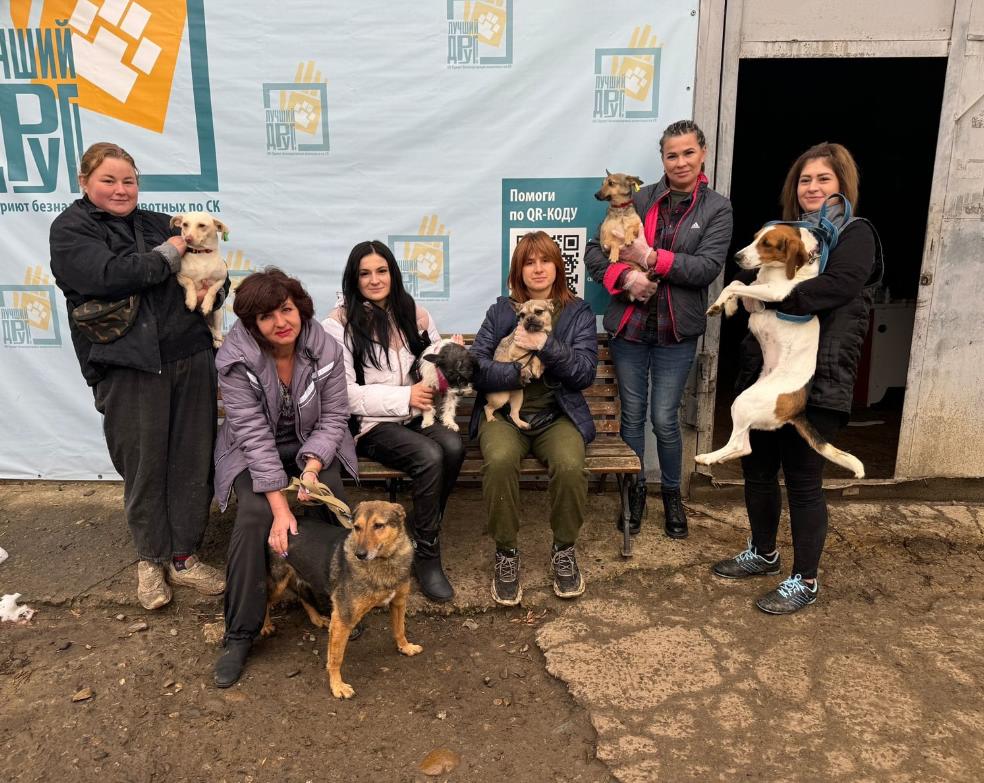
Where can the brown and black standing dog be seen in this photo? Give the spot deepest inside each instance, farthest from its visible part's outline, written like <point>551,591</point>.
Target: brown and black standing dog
<point>350,571</point>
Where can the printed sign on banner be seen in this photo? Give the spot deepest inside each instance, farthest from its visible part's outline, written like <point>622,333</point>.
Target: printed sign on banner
<point>567,210</point>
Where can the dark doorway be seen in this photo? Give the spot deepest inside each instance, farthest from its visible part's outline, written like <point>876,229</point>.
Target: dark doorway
<point>886,112</point>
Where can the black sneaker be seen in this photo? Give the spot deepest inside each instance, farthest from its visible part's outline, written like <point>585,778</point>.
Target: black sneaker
<point>568,582</point>
<point>747,563</point>
<point>506,589</point>
<point>791,596</point>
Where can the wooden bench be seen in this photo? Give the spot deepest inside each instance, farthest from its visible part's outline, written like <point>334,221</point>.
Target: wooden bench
<point>606,455</point>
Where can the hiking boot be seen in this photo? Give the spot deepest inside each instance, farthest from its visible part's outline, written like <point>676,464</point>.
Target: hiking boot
<point>197,575</point>
<point>674,517</point>
<point>568,582</point>
<point>506,589</point>
<point>747,563</point>
<point>791,596</point>
<point>430,573</point>
<point>229,667</point>
<point>152,589</point>
<point>637,505</point>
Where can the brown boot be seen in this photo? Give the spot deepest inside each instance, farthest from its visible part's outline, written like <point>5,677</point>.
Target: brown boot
<point>152,589</point>
<point>198,576</point>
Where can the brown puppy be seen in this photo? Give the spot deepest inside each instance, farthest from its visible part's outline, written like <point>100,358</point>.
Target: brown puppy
<point>617,190</point>
<point>536,315</point>
<point>360,569</point>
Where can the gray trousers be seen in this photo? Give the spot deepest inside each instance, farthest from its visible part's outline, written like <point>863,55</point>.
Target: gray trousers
<point>160,430</point>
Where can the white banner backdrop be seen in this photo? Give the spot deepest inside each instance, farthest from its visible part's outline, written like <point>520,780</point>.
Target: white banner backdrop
<point>442,127</point>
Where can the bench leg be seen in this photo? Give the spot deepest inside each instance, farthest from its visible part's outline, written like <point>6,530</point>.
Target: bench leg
<point>391,485</point>
<point>623,513</point>
<point>602,480</point>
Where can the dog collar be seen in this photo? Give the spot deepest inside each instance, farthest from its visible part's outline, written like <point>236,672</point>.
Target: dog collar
<point>189,249</point>
<point>442,382</point>
<point>622,206</point>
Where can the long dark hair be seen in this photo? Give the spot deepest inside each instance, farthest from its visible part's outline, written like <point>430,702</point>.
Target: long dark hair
<point>367,323</point>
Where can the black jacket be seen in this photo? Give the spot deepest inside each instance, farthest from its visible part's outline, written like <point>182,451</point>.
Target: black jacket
<point>841,298</point>
<point>570,361</point>
<point>94,256</point>
<point>698,253</point>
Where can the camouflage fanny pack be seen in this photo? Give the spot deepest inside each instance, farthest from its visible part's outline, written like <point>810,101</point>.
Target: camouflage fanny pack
<point>104,322</point>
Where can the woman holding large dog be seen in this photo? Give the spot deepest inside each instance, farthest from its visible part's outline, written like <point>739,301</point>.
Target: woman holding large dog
<point>283,388</point>
<point>150,363</point>
<point>384,332</point>
<point>841,297</point>
<point>560,423</point>
<point>655,319</point>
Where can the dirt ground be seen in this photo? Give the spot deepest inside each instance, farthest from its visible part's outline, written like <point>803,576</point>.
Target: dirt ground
<point>658,673</point>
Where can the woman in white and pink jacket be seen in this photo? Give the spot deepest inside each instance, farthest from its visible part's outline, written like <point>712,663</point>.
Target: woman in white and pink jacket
<point>383,332</point>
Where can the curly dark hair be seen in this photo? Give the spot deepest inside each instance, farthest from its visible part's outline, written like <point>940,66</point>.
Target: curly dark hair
<point>263,292</point>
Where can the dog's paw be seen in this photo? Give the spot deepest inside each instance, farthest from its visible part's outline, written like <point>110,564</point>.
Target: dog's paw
<point>268,629</point>
<point>410,649</point>
<point>714,309</point>
<point>451,425</point>
<point>342,690</point>
<point>701,459</point>
<point>217,342</point>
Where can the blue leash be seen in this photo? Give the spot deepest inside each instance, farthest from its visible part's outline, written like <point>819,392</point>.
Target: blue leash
<point>826,234</point>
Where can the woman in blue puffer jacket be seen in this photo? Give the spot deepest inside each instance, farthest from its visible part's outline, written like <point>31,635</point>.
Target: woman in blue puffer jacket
<point>553,405</point>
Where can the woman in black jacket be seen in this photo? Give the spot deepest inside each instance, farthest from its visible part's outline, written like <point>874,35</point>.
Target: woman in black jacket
<point>655,324</point>
<point>839,297</point>
<point>553,405</point>
<point>155,383</point>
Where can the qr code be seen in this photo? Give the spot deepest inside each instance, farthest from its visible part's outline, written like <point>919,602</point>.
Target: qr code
<point>572,252</point>
<point>571,242</point>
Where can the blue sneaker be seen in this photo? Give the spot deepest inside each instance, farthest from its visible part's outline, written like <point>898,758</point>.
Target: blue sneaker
<point>747,563</point>
<point>791,596</point>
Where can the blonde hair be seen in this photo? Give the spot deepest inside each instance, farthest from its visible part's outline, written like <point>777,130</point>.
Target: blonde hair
<point>841,163</point>
<point>93,158</point>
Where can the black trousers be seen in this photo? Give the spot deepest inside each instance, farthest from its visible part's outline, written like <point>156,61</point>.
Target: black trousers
<point>246,566</point>
<point>802,468</point>
<point>432,458</point>
<point>160,430</point>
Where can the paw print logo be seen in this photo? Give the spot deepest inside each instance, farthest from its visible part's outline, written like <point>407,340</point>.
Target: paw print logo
<point>125,52</point>
<point>639,71</point>
<point>427,258</point>
<point>490,17</point>
<point>37,304</point>
<point>306,104</point>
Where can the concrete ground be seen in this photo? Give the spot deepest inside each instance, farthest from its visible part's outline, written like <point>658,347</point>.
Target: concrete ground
<point>678,673</point>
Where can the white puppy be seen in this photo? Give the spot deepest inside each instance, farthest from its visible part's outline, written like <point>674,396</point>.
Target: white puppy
<point>785,256</point>
<point>202,262</point>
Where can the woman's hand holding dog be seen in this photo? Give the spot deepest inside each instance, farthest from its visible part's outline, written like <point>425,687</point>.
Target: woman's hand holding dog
<point>421,396</point>
<point>529,341</point>
<point>179,243</point>
<point>638,286</point>
<point>639,252</point>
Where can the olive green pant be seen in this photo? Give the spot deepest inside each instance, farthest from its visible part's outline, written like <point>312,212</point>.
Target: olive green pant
<point>561,448</point>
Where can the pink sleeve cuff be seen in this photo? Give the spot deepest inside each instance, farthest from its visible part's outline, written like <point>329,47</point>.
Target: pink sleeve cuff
<point>610,279</point>
<point>664,260</point>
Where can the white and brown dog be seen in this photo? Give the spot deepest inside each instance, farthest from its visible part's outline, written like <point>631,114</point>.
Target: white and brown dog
<point>447,368</point>
<point>201,264</point>
<point>785,256</point>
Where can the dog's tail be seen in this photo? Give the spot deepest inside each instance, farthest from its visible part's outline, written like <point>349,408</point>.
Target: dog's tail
<point>824,449</point>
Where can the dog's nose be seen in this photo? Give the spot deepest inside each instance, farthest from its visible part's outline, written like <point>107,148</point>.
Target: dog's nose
<point>600,196</point>
<point>362,554</point>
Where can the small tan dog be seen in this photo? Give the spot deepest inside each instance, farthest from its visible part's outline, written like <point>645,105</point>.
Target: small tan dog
<point>536,315</point>
<point>617,190</point>
<point>202,263</point>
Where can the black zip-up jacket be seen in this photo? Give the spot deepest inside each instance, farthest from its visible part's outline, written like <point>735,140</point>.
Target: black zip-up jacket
<point>841,299</point>
<point>94,256</point>
<point>688,268</point>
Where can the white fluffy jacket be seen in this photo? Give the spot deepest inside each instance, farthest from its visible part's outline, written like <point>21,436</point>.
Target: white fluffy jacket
<point>386,393</point>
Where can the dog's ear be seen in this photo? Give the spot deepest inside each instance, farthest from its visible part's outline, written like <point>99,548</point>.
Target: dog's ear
<point>517,306</point>
<point>430,357</point>
<point>176,221</point>
<point>222,229</point>
<point>796,255</point>
<point>607,173</point>
<point>636,182</point>
<point>550,305</point>
<point>399,515</point>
